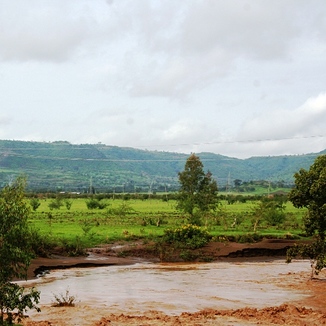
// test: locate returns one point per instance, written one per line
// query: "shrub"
(95, 203)
(41, 244)
(68, 204)
(35, 203)
(188, 236)
(63, 300)
(14, 302)
(122, 210)
(55, 204)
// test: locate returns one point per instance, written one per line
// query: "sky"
(239, 78)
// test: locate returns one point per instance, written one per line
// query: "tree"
(237, 183)
(310, 192)
(270, 210)
(198, 191)
(35, 203)
(15, 251)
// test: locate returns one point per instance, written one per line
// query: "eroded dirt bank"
(309, 311)
(112, 254)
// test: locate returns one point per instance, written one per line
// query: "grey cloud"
(206, 38)
(5, 120)
(265, 30)
(35, 31)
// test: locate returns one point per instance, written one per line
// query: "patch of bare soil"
(309, 311)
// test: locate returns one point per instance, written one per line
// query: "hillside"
(69, 167)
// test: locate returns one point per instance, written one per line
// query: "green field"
(135, 218)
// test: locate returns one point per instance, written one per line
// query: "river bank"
(310, 310)
(124, 253)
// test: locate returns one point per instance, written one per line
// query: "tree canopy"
(15, 251)
(198, 190)
(310, 192)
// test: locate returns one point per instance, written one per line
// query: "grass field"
(130, 219)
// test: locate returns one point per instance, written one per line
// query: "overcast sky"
(237, 78)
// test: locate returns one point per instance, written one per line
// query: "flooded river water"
(174, 288)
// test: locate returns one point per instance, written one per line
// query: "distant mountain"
(54, 166)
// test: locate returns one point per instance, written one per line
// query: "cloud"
(5, 120)
(282, 131)
(45, 31)
(54, 31)
(307, 119)
(204, 39)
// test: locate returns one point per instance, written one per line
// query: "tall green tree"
(198, 190)
(310, 192)
(15, 250)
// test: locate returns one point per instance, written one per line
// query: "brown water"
(174, 288)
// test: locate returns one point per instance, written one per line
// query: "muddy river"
(174, 288)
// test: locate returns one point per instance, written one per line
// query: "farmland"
(122, 219)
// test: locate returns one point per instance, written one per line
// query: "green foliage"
(15, 250)
(86, 226)
(198, 191)
(35, 203)
(68, 204)
(56, 203)
(315, 251)
(94, 203)
(247, 238)
(187, 236)
(270, 211)
(41, 244)
(310, 192)
(73, 248)
(188, 255)
(14, 302)
(122, 210)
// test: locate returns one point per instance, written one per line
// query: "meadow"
(120, 219)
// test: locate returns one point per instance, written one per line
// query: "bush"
(42, 245)
(95, 203)
(14, 302)
(55, 204)
(35, 203)
(122, 210)
(188, 236)
(63, 300)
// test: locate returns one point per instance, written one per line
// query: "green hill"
(53, 166)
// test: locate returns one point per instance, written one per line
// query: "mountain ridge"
(61, 165)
